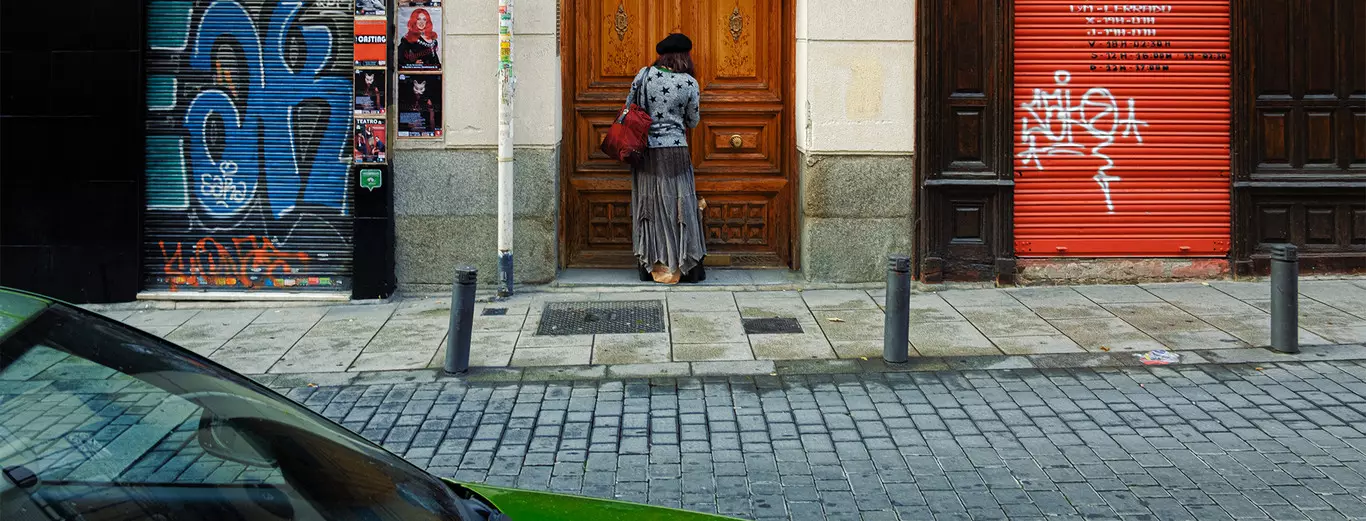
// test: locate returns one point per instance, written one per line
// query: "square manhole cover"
(599, 318)
(771, 326)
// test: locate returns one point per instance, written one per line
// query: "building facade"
(348, 148)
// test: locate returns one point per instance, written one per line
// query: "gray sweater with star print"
(671, 99)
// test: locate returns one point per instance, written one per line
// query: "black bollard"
(1285, 298)
(462, 320)
(897, 321)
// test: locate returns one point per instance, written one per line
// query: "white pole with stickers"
(506, 85)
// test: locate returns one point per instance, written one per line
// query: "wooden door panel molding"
(1299, 131)
(964, 175)
(747, 60)
(593, 125)
(621, 32)
(744, 53)
(732, 144)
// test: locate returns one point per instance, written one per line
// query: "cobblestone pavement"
(1280, 442)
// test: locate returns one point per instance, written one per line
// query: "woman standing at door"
(667, 235)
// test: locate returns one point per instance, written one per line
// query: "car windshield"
(101, 421)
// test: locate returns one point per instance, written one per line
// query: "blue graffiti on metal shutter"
(249, 116)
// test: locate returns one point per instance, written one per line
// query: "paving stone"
(712, 352)
(950, 339)
(1116, 294)
(631, 349)
(1008, 320)
(552, 356)
(701, 302)
(931, 307)
(1058, 303)
(1113, 334)
(838, 299)
(1031, 345)
(706, 328)
(1200, 300)
(790, 347)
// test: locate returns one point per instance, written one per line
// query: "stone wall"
(855, 211)
(446, 190)
(446, 212)
(855, 135)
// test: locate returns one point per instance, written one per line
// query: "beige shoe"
(663, 275)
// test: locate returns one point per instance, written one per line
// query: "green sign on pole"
(371, 178)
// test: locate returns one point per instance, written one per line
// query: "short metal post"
(897, 321)
(1285, 298)
(462, 320)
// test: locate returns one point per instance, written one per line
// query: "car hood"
(527, 505)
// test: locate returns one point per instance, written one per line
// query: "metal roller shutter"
(249, 132)
(1121, 129)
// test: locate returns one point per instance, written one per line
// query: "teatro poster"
(419, 38)
(419, 105)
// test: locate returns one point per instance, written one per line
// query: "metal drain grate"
(491, 312)
(771, 326)
(599, 318)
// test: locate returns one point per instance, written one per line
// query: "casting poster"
(419, 36)
(419, 105)
(370, 7)
(371, 43)
(371, 92)
(370, 146)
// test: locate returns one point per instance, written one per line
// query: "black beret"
(675, 42)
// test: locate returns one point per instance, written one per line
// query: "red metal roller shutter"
(249, 125)
(1122, 129)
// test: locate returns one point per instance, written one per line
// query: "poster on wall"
(371, 90)
(370, 7)
(419, 105)
(370, 135)
(371, 43)
(419, 46)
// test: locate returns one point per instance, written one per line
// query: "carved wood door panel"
(1300, 133)
(741, 150)
(964, 140)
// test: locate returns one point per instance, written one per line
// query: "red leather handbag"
(626, 140)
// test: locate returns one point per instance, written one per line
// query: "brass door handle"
(736, 141)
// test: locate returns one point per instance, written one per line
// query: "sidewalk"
(690, 330)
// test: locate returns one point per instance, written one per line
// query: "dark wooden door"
(741, 151)
(1300, 131)
(964, 139)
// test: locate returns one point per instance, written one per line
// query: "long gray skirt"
(668, 225)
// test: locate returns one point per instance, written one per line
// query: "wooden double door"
(742, 151)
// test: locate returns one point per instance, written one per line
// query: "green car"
(99, 420)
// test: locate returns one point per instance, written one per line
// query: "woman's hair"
(680, 62)
(412, 26)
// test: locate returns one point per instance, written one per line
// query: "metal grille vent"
(599, 318)
(770, 326)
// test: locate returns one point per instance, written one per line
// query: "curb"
(750, 368)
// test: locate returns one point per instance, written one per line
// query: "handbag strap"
(640, 91)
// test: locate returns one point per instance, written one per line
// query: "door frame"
(567, 13)
(941, 195)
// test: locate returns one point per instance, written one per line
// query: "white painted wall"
(855, 76)
(471, 81)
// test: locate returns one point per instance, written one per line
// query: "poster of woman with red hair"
(419, 47)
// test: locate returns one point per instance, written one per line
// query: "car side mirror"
(227, 439)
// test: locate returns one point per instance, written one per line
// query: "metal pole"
(897, 322)
(1285, 298)
(462, 319)
(506, 86)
